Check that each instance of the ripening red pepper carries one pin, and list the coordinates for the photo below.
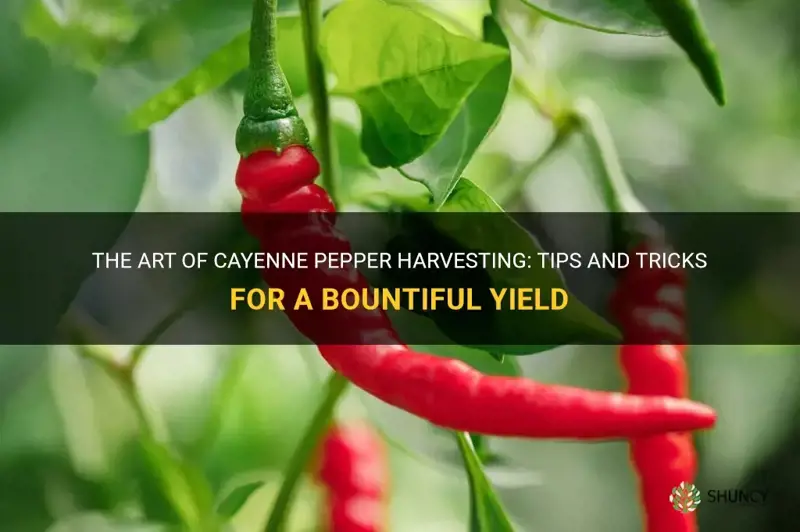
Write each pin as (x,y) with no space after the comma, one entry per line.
(276,174)
(662,461)
(353,469)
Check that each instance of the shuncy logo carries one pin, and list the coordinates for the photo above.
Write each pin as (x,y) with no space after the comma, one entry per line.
(738,497)
(685,498)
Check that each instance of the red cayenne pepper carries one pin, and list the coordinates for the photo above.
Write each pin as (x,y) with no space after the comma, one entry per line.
(353,469)
(645,298)
(276,174)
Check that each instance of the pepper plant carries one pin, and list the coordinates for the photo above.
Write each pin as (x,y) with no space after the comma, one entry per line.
(429,88)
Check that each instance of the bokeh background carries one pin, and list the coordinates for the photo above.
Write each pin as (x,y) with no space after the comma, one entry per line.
(69,457)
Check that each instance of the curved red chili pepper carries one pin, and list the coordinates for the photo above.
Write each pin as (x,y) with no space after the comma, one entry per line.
(662,461)
(354,472)
(446,392)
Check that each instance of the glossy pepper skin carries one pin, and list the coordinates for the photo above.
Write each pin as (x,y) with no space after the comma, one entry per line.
(354,472)
(657,368)
(276,175)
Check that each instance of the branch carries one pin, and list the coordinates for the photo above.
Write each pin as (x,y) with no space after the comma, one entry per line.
(176,486)
(311,18)
(511,188)
(334,390)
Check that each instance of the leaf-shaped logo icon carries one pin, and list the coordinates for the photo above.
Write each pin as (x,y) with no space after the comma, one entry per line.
(685,498)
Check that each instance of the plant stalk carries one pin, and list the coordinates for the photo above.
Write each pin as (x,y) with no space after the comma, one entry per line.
(616,189)
(334,390)
(311,20)
(175,485)
(514,185)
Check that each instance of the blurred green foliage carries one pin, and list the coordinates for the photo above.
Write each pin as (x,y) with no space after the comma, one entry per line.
(70,457)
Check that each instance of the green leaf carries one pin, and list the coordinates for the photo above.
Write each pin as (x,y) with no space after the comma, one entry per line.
(236,497)
(352,161)
(18,365)
(182,483)
(486,511)
(61,152)
(97,522)
(467,197)
(442,165)
(612,16)
(408,75)
(192,49)
(307,504)
(86,35)
(685,25)
(483,450)
(219,403)
(28,477)
(681,19)
(518,333)
(478,359)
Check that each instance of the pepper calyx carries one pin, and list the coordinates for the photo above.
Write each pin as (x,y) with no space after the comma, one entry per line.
(275,135)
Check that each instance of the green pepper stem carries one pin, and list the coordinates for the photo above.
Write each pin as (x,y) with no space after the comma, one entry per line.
(618,194)
(270,118)
(268,96)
